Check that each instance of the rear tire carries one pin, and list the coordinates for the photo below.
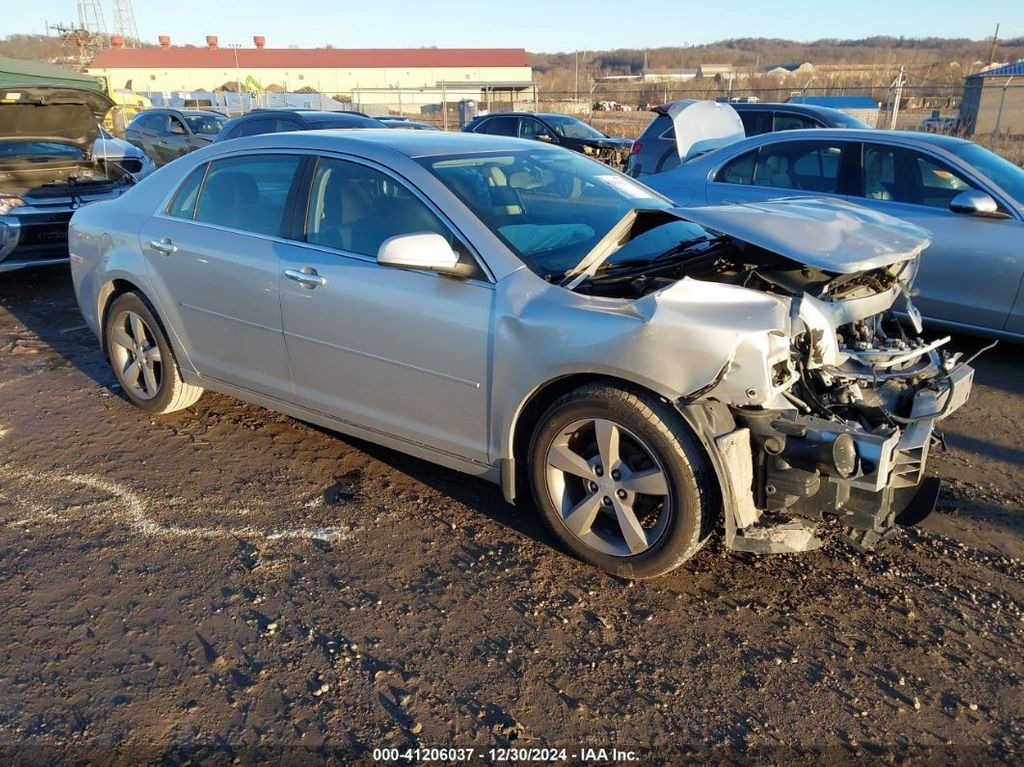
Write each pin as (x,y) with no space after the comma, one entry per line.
(622,481)
(142,358)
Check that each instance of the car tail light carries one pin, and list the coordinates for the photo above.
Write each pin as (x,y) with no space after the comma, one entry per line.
(635,149)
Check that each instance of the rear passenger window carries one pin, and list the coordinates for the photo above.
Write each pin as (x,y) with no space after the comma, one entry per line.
(355,208)
(739,170)
(184,203)
(784,121)
(501,126)
(247,193)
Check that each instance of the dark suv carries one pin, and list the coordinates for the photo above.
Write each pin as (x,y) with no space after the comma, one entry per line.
(166,134)
(565,130)
(262,121)
(655,150)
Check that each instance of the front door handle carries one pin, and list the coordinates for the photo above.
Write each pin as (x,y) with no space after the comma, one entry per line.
(163,245)
(307,277)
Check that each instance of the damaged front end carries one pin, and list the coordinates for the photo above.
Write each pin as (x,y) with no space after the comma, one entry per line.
(827,407)
(854,440)
(850,436)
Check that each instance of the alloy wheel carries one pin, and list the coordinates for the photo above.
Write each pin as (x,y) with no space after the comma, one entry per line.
(136,355)
(609,487)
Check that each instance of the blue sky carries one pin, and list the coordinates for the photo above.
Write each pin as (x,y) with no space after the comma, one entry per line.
(538,25)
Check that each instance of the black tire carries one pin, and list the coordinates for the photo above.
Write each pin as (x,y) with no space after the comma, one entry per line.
(171,392)
(685,515)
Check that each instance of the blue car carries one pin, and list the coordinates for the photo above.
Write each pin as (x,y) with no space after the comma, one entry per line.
(971,278)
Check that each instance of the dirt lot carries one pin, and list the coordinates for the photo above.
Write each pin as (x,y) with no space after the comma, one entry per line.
(231,583)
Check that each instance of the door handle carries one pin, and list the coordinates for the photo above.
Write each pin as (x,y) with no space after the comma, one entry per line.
(163,245)
(307,277)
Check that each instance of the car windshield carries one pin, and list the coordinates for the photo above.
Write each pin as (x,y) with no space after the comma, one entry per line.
(1001,171)
(551,207)
(39,149)
(570,127)
(204,125)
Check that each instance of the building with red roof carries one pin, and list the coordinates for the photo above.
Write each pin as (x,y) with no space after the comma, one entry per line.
(368,73)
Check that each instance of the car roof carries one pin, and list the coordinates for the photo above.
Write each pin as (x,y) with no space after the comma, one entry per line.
(863,134)
(183,112)
(524,114)
(411,143)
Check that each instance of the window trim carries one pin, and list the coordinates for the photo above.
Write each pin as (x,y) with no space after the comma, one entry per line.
(301,208)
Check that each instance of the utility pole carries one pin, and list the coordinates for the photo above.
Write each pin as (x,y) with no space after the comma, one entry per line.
(576,87)
(992,48)
(897,88)
(238,78)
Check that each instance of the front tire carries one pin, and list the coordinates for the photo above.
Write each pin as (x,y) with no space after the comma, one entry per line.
(142,358)
(622,481)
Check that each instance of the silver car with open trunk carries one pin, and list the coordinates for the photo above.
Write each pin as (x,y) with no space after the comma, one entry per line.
(525,314)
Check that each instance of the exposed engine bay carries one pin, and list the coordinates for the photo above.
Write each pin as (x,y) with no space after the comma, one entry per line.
(47,179)
(845,416)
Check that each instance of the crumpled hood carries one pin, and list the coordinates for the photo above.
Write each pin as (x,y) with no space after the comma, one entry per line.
(52,113)
(833,235)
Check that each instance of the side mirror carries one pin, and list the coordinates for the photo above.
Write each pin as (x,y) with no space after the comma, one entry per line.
(424,250)
(974,203)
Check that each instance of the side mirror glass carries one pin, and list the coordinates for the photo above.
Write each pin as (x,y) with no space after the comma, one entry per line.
(424,250)
(974,203)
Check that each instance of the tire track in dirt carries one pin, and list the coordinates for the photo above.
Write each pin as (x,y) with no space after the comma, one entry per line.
(130,508)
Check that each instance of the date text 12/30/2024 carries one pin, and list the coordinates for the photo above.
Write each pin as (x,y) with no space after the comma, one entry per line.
(452,754)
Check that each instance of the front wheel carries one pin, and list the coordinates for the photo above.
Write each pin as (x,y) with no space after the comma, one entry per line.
(142,358)
(622,481)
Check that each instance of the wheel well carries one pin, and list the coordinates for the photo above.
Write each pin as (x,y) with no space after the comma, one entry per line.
(535,407)
(110,292)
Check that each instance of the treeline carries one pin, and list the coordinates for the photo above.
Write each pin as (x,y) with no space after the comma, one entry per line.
(943,58)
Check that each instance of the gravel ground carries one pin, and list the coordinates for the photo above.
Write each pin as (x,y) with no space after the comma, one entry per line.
(229,583)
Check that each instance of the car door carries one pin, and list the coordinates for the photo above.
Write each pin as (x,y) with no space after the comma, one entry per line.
(780,169)
(214,257)
(971,272)
(396,351)
(176,141)
(145,133)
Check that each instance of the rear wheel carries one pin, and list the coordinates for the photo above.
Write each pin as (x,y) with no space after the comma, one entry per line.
(622,481)
(142,358)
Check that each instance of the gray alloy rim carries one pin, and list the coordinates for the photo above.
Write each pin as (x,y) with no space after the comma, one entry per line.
(608,486)
(136,355)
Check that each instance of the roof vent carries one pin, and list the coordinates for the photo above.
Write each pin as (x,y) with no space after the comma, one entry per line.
(116,41)
(211,41)
(259,41)
(165,41)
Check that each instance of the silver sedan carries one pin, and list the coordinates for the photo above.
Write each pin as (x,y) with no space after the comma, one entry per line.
(969,199)
(527,315)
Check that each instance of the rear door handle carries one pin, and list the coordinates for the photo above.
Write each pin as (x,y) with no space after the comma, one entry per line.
(307,277)
(163,245)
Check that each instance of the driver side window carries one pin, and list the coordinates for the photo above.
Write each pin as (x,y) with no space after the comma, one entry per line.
(175,127)
(531,128)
